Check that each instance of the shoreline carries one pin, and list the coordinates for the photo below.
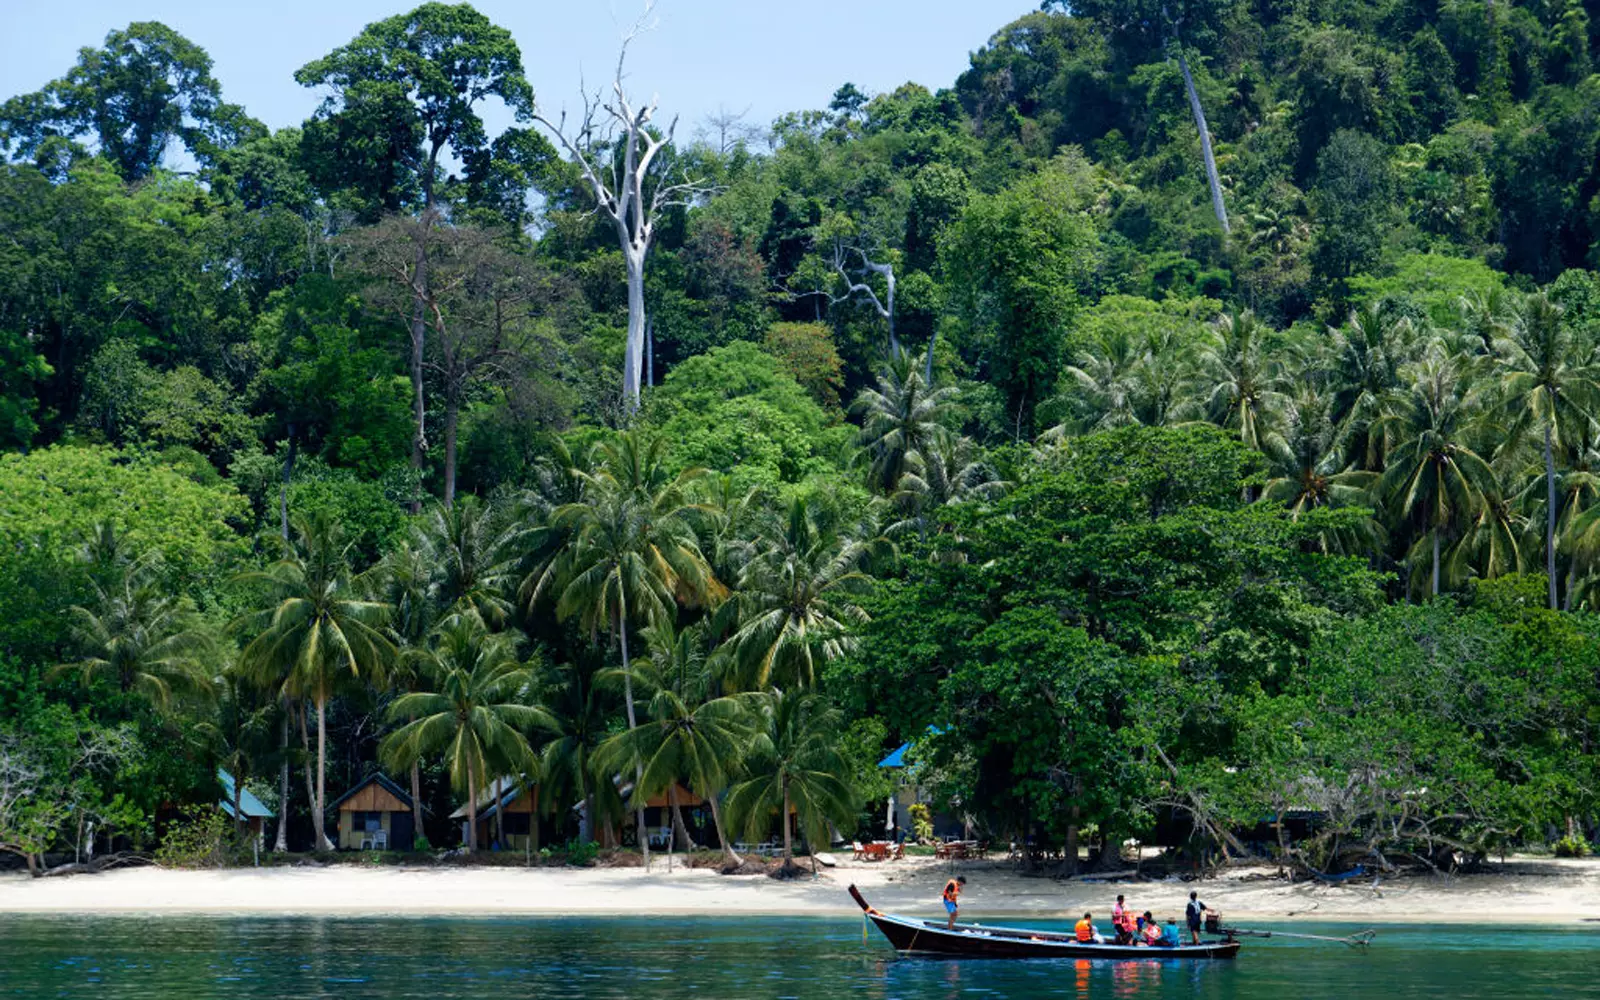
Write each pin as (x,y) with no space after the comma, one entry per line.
(1525,892)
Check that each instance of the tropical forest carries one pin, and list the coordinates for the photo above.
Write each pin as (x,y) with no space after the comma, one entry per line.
(1184,420)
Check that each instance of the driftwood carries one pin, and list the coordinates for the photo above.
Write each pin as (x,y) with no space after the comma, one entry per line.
(122,859)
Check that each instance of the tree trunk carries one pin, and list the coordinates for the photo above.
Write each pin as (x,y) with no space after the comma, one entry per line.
(1436,560)
(283,493)
(722,836)
(634,357)
(1069,860)
(238,815)
(320,819)
(638,765)
(452,412)
(472,807)
(416,801)
(419,338)
(927,371)
(1550,506)
(1205,138)
(783,817)
(281,843)
(311,783)
(680,829)
(672,833)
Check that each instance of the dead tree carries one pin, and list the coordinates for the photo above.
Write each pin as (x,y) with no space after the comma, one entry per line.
(632,190)
(1175,45)
(883,306)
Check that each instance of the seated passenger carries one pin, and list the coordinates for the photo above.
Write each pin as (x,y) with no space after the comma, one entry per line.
(1085,930)
(1170,937)
(1150,932)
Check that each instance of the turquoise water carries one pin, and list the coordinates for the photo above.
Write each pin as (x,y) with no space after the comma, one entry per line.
(671,957)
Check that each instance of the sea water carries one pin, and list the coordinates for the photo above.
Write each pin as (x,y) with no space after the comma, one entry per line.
(641,958)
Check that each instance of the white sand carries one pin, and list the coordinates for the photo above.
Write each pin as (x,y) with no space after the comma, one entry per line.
(1526,891)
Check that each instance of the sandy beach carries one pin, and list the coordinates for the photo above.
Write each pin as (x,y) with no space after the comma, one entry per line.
(1525,891)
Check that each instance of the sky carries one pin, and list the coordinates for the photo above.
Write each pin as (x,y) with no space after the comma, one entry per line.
(702,57)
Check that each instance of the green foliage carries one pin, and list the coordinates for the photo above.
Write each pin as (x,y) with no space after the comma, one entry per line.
(147,87)
(737,409)
(203,840)
(57,496)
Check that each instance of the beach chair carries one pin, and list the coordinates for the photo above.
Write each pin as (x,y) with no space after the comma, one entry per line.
(858,853)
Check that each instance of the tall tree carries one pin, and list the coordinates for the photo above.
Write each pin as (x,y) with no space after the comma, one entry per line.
(1149,26)
(142,638)
(800,599)
(1238,378)
(407,90)
(313,631)
(477,714)
(1434,478)
(693,733)
(1550,384)
(794,766)
(630,554)
(144,89)
(898,417)
(626,163)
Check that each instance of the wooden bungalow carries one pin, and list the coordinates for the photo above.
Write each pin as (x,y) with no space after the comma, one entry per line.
(375,814)
(658,817)
(507,818)
(254,813)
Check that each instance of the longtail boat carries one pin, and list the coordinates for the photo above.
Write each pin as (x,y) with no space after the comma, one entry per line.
(911,936)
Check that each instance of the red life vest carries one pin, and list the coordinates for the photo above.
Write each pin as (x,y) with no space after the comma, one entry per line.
(952,889)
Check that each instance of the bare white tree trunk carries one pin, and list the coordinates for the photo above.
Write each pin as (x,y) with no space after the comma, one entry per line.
(633,360)
(1205,139)
(619,188)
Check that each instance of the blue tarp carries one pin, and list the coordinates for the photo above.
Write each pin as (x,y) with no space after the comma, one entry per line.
(898,757)
(248,804)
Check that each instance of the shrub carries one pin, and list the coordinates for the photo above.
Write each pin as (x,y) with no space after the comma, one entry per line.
(207,840)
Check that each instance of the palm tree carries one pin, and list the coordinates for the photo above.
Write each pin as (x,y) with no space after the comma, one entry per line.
(949,470)
(581,718)
(1308,468)
(477,715)
(470,558)
(1545,383)
(793,764)
(314,631)
(1105,383)
(1241,389)
(630,553)
(800,599)
(142,639)
(405,582)
(693,733)
(899,417)
(1433,477)
(1368,354)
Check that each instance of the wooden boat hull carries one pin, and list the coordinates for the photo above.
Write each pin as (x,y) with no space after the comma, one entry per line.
(911,936)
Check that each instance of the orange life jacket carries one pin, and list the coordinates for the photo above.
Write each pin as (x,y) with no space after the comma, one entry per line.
(1085,931)
(1152,933)
(952,889)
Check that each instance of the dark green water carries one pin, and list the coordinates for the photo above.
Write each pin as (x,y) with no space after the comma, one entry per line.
(648,958)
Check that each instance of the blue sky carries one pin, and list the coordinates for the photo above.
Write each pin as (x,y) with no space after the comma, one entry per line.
(704,55)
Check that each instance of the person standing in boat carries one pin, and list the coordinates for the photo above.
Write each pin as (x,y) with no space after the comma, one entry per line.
(952,898)
(1122,921)
(1193,912)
